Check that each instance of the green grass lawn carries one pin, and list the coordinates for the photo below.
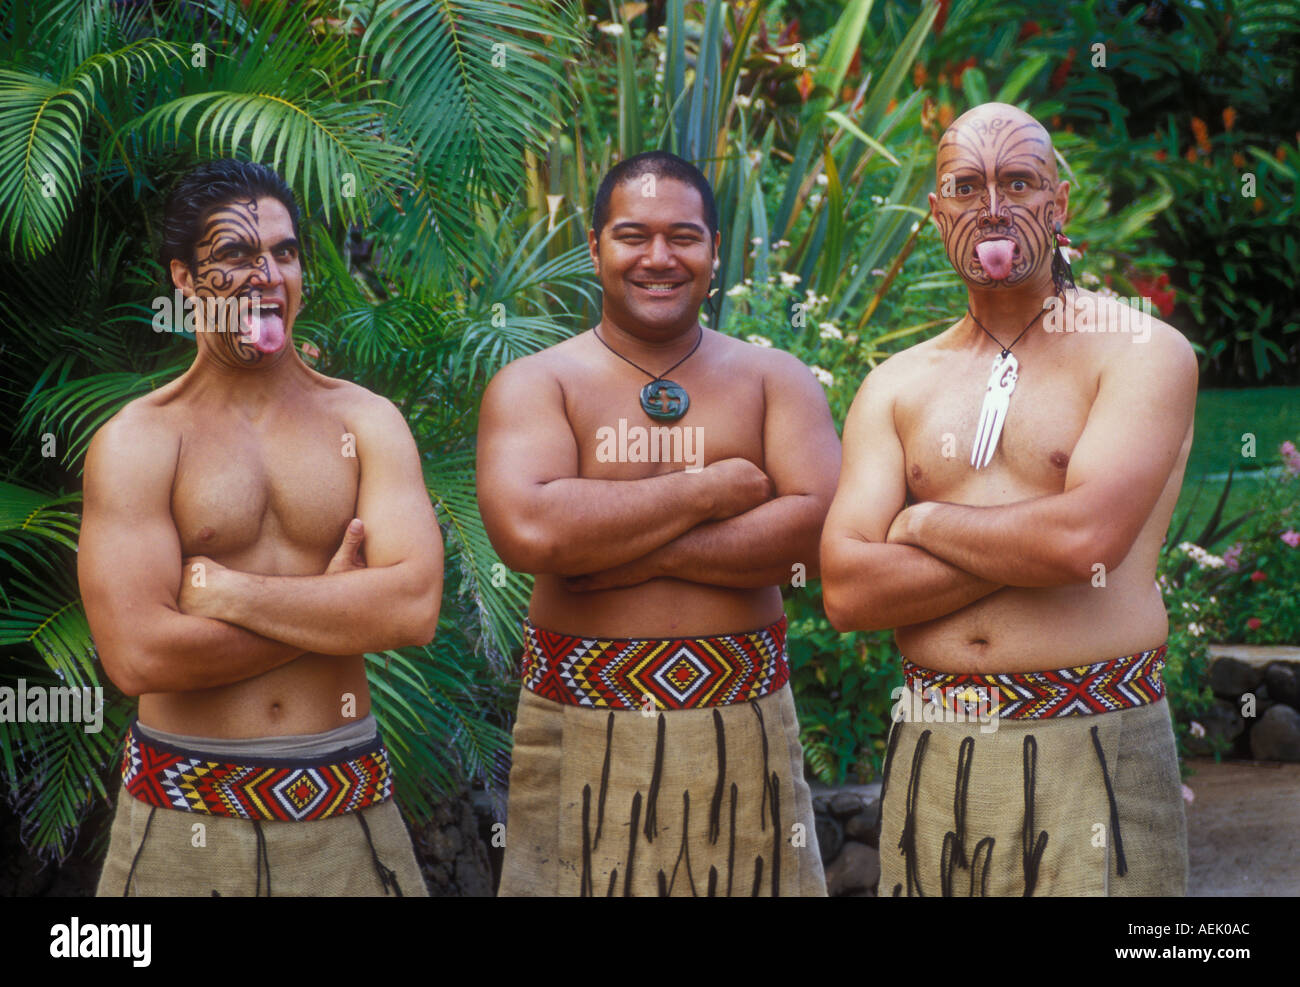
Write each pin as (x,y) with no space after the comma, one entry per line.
(1272,414)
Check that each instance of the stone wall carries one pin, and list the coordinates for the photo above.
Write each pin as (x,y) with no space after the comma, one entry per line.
(1256,710)
(848,832)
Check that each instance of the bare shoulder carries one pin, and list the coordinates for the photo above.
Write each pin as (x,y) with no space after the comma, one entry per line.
(1134,338)
(536,374)
(142,439)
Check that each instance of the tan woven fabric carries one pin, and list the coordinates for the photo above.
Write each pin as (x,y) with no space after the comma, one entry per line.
(977,838)
(686,815)
(324,858)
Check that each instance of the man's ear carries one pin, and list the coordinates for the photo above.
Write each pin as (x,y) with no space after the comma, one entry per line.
(182,277)
(593,248)
(934,212)
(1063,202)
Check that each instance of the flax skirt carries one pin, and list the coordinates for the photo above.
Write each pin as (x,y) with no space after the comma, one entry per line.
(1073,805)
(684,802)
(176,854)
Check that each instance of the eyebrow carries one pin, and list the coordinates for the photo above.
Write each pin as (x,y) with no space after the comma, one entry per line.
(629,225)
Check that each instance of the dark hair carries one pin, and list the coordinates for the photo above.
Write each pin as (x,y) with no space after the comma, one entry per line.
(662,165)
(208,186)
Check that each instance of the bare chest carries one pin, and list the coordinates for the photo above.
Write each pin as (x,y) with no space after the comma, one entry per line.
(938,417)
(618,439)
(282,490)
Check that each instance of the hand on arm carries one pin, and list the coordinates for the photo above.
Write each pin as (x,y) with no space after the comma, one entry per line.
(761,546)
(129,569)
(390,602)
(1136,429)
(542,517)
(868,584)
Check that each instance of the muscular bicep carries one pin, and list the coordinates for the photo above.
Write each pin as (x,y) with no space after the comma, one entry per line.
(871,489)
(801,451)
(392,500)
(1137,428)
(524,442)
(128,553)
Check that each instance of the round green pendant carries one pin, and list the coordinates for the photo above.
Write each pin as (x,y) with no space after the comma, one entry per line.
(664,400)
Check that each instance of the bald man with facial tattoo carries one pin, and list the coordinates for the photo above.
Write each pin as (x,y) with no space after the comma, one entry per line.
(1005,491)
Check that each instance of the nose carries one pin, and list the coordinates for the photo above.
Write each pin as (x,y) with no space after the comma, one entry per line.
(266,271)
(659,255)
(992,216)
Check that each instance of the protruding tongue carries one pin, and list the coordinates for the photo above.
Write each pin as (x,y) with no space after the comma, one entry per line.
(266,332)
(995,257)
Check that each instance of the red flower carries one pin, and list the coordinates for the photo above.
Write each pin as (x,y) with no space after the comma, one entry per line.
(1253,623)
(1062,71)
(1028,29)
(1257,577)
(1158,290)
(942,17)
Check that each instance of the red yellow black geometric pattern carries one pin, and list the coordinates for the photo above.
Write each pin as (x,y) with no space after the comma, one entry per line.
(675,673)
(1120,683)
(272,790)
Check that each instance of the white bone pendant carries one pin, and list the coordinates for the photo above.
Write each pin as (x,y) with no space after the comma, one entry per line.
(993,413)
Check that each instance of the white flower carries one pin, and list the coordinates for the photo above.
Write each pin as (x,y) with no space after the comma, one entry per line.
(825,376)
(1196,730)
(1196,630)
(742,100)
(736,290)
(822,179)
(829,331)
(759,341)
(877,200)
(757,241)
(815,199)
(610,28)
(1201,557)
(789,280)
(780,244)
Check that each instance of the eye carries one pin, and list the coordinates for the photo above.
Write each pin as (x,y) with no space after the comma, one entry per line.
(965,188)
(1019,185)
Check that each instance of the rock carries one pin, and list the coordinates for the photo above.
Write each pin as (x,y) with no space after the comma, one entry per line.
(863,827)
(845,804)
(821,804)
(1230,677)
(1276,737)
(855,870)
(830,837)
(1222,721)
(1283,681)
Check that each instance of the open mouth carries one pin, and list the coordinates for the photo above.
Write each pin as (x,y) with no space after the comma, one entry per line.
(659,287)
(264,325)
(996,255)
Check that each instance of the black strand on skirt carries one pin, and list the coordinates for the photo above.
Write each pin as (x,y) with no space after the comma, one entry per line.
(585,884)
(713,883)
(731,847)
(965,755)
(889,761)
(762,732)
(663,885)
(1031,847)
(631,844)
(907,842)
(652,802)
(613,880)
(604,781)
(1121,867)
(685,851)
(715,810)
(758,877)
(986,845)
(777,836)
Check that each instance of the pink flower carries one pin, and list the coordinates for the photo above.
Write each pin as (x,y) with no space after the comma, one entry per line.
(1291,537)
(1291,457)
(1253,623)
(1232,557)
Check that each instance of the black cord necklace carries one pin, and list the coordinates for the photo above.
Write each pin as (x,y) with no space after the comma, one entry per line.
(663,400)
(997,396)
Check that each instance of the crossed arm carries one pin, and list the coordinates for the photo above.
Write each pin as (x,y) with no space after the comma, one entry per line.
(158,632)
(889,566)
(730,524)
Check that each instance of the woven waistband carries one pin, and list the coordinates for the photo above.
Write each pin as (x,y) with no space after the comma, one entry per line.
(1107,686)
(275,790)
(670,673)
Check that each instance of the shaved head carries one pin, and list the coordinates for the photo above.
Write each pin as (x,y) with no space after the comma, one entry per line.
(998,198)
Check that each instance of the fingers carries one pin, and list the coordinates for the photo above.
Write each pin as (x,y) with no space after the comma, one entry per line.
(348,554)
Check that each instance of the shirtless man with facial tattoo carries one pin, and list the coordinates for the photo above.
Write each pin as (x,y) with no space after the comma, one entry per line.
(251,530)
(1005,491)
